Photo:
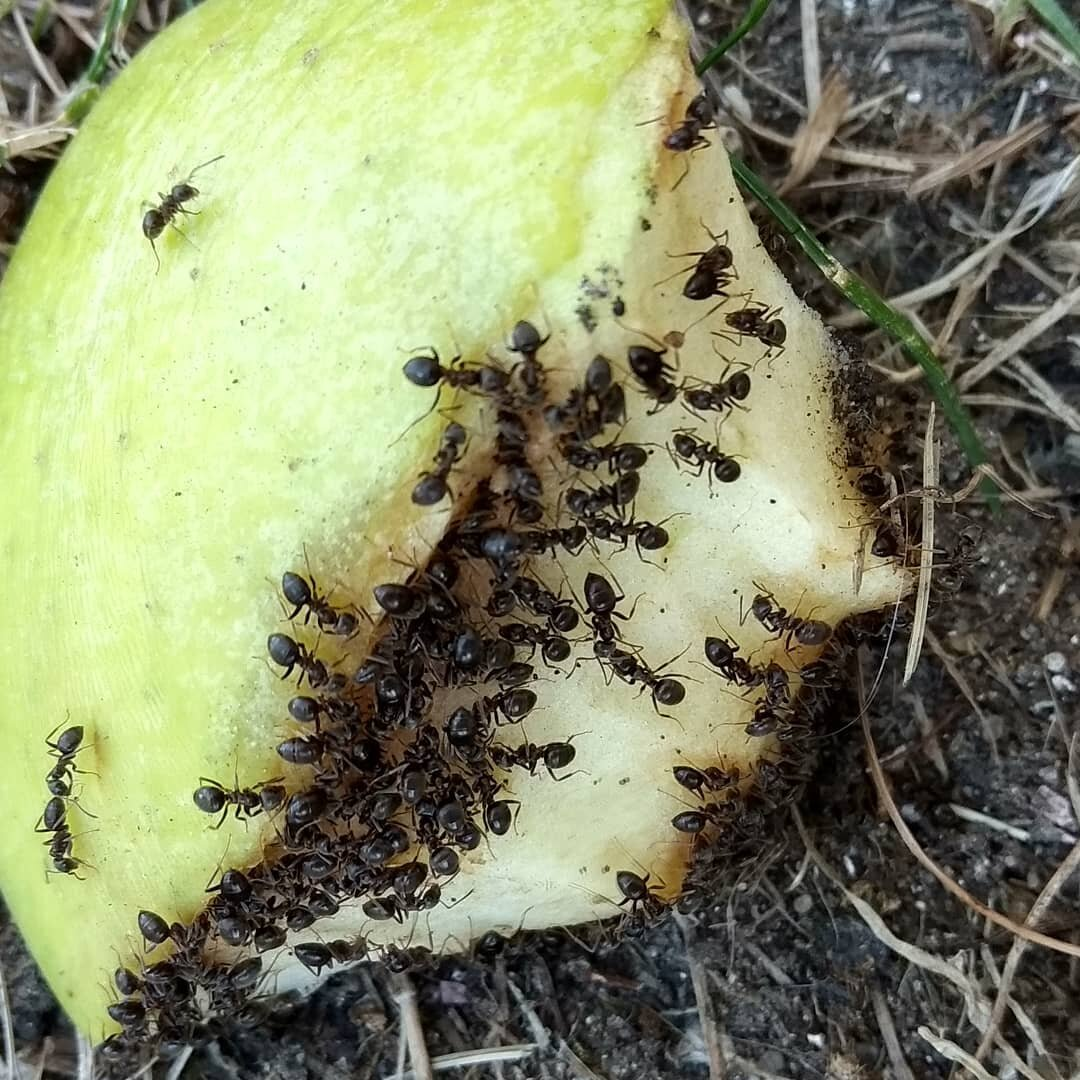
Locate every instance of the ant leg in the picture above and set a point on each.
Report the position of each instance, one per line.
(176, 228)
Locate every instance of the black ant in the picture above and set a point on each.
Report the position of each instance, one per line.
(154, 929)
(539, 541)
(723, 656)
(513, 705)
(304, 593)
(687, 137)
(213, 797)
(554, 648)
(53, 820)
(700, 453)
(664, 691)
(647, 535)
(711, 778)
(60, 777)
(886, 542)
(776, 620)
(756, 320)
(528, 756)
(645, 905)
(156, 218)
(651, 371)
(432, 486)
(428, 371)
(584, 503)
(619, 457)
(290, 654)
(711, 273)
(724, 394)
(601, 601)
(525, 339)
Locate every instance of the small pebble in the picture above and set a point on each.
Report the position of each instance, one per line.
(1055, 662)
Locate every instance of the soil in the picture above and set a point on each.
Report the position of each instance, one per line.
(793, 981)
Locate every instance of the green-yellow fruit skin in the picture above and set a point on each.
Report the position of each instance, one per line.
(172, 438)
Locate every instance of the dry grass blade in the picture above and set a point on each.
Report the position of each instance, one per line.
(1022, 372)
(717, 1065)
(27, 141)
(881, 783)
(948, 1049)
(466, 1059)
(85, 1051)
(179, 1063)
(926, 555)
(405, 997)
(1039, 199)
(885, 160)
(818, 131)
(8, 1030)
(1023, 337)
(962, 685)
(811, 54)
(981, 157)
(900, 1068)
(1045, 898)
(978, 1008)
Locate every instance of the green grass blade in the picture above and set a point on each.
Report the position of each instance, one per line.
(100, 60)
(859, 293)
(1055, 17)
(750, 20)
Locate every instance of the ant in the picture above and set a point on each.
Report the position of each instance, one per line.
(725, 393)
(586, 504)
(651, 371)
(711, 778)
(665, 691)
(304, 593)
(687, 137)
(315, 956)
(700, 453)
(777, 621)
(538, 541)
(618, 457)
(645, 905)
(756, 320)
(432, 486)
(156, 218)
(553, 755)
(53, 820)
(722, 654)
(427, 371)
(266, 796)
(525, 339)
(886, 543)
(60, 777)
(711, 273)
(290, 654)
(601, 601)
(554, 648)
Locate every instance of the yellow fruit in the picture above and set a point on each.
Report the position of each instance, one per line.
(392, 178)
